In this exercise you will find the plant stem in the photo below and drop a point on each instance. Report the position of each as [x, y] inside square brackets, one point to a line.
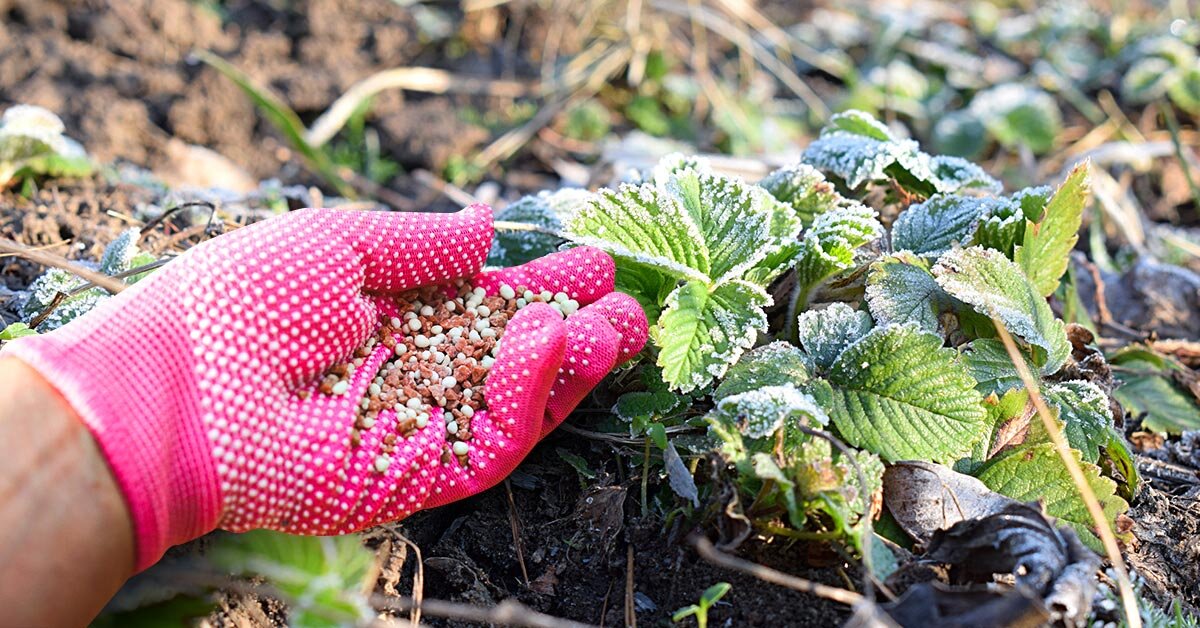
[505, 225]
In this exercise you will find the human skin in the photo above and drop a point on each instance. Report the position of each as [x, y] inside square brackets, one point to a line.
[66, 541]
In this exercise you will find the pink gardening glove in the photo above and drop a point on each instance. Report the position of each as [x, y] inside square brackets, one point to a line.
[199, 382]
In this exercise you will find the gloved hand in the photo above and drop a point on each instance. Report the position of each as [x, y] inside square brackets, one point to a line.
[198, 382]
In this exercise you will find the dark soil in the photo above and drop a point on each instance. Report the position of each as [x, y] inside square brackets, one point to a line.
[118, 73]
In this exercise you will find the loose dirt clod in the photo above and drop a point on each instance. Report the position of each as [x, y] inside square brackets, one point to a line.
[442, 344]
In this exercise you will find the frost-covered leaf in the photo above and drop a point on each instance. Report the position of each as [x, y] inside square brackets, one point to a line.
[646, 284]
[900, 290]
[995, 286]
[759, 413]
[119, 254]
[32, 144]
[1047, 243]
[898, 393]
[645, 224]
[676, 163]
[734, 220]
[321, 578]
[941, 223]
[828, 246]
[954, 174]
[858, 159]
[861, 123]
[803, 190]
[43, 290]
[1083, 408]
[700, 333]
[1145, 388]
[826, 332]
[989, 364]
[1009, 418]
[774, 364]
[513, 248]
[857, 149]
[1017, 114]
[1037, 473]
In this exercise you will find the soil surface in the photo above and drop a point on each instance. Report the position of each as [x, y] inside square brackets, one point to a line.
[119, 73]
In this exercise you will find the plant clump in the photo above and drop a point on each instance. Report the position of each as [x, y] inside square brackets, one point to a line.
[441, 343]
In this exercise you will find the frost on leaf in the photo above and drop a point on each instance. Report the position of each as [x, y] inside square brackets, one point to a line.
[826, 332]
[803, 190]
[43, 290]
[774, 364]
[734, 220]
[545, 210]
[701, 333]
[119, 254]
[857, 149]
[994, 286]
[1037, 473]
[898, 393]
[941, 223]
[675, 163]
[952, 174]
[759, 413]
[829, 245]
[1083, 409]
[645, 224]
[900, 290]
[1047, 242]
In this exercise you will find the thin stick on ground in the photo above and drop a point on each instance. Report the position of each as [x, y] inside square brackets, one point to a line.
[1128, 598]
[711, 554]
[506, 613]
[515, 524]
[57, 261]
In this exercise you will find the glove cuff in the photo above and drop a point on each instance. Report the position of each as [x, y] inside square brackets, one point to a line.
[144, 419]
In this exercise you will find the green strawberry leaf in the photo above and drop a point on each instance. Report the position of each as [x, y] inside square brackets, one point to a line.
[1145, 387]
[700, 332]
[898, 393]
[989, 364]
[646, 224]
[322, 578]
[1047, 244]
[734, 220]
[1037, 473]
[803, 190]
[995, 286]
[828, 246]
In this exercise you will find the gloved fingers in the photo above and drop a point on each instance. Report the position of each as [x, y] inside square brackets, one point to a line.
[584, 274]
[601, 336]
[405, 250]
[401, 472]
[326, 477]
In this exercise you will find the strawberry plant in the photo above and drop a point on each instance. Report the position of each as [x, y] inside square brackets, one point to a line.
[890, 343]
